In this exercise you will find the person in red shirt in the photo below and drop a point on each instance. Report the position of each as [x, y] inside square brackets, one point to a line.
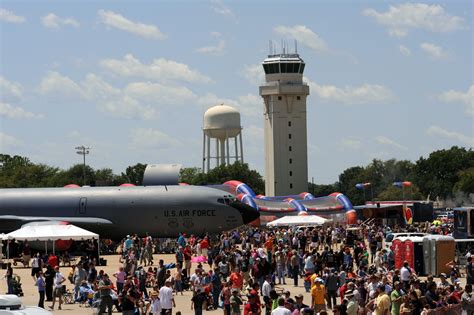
[237, 279]
[53, 260]
[204, 246]
[252, 307]
[187, 253]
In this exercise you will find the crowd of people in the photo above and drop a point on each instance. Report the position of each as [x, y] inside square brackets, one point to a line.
[342, 270]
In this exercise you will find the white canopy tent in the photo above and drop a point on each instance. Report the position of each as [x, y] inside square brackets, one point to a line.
[299, 220]
[52, 232]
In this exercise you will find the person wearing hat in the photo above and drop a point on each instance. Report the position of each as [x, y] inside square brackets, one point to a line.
[154, 307]
[235, 302]
[299, 302]
[318, 294]
[105, 288]
[352, 303]
[443, 284]
[396, 296]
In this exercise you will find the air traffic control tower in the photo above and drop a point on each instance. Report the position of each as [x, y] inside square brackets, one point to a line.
[286, 154]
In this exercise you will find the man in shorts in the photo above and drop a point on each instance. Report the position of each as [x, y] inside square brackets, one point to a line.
[58, 288]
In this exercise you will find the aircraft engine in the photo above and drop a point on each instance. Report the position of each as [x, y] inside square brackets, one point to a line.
[161, 174]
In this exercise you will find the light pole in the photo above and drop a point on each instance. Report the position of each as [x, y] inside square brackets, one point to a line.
[83, 150]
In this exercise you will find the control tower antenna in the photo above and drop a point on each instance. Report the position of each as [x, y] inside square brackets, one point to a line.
[296, 46]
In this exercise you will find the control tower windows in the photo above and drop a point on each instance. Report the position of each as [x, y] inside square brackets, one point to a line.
[291, 173]
[302, 68]
[289, 148]
[289, 136]
[283, 67]
[298, 98]
[291, 185]
[289, 124]
[290, 161]
[279, 98]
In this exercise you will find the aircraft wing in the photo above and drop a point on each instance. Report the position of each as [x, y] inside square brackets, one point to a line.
[54, 220]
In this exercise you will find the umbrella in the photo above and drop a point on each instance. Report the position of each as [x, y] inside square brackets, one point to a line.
[199, 259]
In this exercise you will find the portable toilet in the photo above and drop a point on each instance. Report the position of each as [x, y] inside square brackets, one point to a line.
[410, 249]
[438, 250]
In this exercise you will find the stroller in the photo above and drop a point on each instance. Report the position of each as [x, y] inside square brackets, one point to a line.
[16, 283]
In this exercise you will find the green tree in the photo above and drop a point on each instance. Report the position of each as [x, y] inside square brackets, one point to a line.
[75, 175]
[224, 173]
[465, 183]
[347, 181]
[190, 175]
[134, 174]
[394, 193]
[322, 190]
[438, 174]
[105, 177]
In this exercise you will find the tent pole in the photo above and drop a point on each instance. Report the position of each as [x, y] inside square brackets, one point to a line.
[98, 250]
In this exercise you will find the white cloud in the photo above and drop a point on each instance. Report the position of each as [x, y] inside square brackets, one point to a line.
[453, 135]
[353, 143]
[8, 141]
[151, 138]
[402, 18]
[95, 90]
[219, 7]
[249, 105]
[303, 35]
[118, 21]
[10, 17]
[404, 50]
[57, 85]
[10, 90]
[53, 21]
[128, 108]
[215, 50]
[254, 74]
[16, 112]
[466, 98]
[160, 69]
[386, 141]
[435, 52]
[155, 93]
[349, 95]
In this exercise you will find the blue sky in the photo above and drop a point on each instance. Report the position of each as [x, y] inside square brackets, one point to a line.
[132, 79]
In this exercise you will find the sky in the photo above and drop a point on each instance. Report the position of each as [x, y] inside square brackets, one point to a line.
[132, 79]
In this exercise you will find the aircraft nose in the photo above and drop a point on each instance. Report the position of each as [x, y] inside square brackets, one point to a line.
[248, 213]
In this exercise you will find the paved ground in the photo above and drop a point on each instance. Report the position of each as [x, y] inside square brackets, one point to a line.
[183, 303]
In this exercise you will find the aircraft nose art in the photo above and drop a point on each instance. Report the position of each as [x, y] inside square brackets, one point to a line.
[248, 213]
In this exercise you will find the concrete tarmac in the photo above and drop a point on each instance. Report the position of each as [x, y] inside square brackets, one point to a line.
[183, 302]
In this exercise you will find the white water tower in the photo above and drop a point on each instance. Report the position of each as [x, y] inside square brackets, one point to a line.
[222, 137]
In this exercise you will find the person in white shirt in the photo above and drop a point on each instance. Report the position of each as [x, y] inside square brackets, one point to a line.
[266, 289]
[405, 274]
[167, 299]
[281, 309]
[58, 288]
[154, 308]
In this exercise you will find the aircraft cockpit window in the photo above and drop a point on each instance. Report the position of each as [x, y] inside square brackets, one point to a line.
[221, 200]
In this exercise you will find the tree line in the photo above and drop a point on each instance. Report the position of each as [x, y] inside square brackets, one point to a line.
[444, 174]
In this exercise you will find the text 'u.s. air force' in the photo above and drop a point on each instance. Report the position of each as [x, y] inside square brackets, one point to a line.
[190, 213]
